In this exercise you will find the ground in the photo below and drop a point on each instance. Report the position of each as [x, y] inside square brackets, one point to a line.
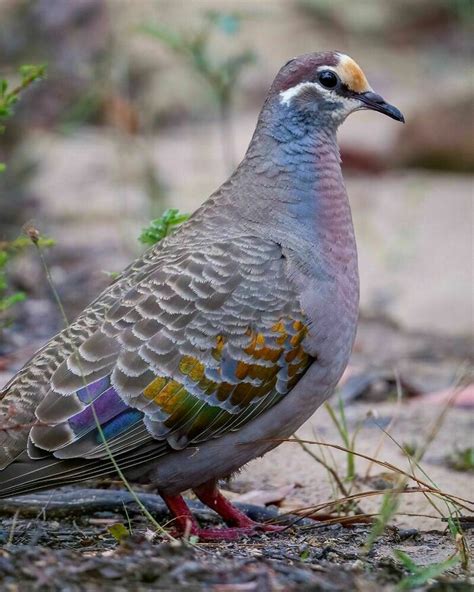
[328, 559]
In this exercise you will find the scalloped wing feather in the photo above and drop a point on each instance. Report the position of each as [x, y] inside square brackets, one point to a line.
[201, 344]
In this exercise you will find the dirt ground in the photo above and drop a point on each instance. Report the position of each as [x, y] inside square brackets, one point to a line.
[83, 557]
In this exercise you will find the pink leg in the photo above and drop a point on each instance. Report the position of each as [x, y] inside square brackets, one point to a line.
[186, 524]
[210, 495]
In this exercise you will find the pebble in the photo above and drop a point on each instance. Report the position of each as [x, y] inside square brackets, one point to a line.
[408, 533]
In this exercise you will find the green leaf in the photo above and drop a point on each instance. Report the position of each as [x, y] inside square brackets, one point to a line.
[3, 258]
[388, 509]
[9, 301]
[163, 226]
[405, 559]
[24, 242]
[3, 167]
[113, 275]
[10, 249]
[453, 527]
[119, 531]
[32, 72]
[304, 555]
[420, 574]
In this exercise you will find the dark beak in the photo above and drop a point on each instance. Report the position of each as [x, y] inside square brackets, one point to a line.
[375, 102]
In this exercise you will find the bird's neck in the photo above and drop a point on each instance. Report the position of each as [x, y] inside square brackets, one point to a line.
[293, 189]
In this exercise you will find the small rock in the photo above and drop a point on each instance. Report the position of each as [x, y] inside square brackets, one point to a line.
[408, 533]
[357, 565]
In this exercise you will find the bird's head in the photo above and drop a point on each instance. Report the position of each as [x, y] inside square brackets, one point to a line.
[327, 86]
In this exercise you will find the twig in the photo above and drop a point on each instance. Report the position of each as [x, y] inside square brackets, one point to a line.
[13, 526]
[386, 465]
[392, 423]
[328, 468]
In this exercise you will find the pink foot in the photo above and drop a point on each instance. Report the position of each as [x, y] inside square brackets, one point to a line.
[241, 525]
[213, 498]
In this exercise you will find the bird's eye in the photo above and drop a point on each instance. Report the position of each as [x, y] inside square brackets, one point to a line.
[328, 79]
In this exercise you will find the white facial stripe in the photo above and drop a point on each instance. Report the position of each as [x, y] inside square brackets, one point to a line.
[346, 105]
[286, 96]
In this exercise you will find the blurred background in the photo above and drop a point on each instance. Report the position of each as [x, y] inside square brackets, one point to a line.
[149, 104]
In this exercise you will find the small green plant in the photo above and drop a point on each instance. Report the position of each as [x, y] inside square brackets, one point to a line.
[119, 531]
[349, 441]
[7, 300]
[304, 554]
[9, 96]
[462, 459]
[388, 509]
[157, 230]
[410, 448]
[390, 500]
[8, 250]
[421, 574]
[344, 484]
[222, 75]
[162, 226]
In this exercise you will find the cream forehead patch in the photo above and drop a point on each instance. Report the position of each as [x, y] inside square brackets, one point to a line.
[351, 74]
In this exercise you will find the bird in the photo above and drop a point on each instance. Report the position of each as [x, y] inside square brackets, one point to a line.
[220, 341]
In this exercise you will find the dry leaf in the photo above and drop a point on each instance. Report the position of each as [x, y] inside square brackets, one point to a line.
[462, 397]
[264, 497]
